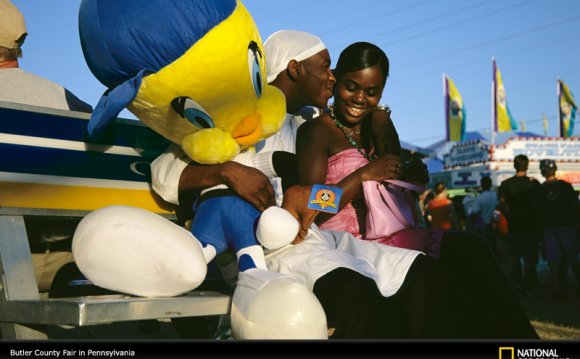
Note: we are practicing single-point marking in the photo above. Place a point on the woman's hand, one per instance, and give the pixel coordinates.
(296, 202)
(383, 168)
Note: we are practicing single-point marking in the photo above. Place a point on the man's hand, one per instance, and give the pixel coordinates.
(250, 184)
(296, 202)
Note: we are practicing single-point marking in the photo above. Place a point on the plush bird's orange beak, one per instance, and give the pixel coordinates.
(249, 130)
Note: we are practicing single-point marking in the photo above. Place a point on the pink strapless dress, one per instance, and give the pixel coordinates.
(352, 217)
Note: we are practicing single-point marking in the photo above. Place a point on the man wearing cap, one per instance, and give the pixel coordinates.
(19, 86)
(557, 209)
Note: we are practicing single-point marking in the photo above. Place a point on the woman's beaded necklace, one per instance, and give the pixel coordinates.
(348, 133)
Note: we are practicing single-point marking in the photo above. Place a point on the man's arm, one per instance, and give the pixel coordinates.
(173, 173)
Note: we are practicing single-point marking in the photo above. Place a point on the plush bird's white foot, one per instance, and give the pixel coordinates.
(276, 228)
(133, 251)
(269, 305)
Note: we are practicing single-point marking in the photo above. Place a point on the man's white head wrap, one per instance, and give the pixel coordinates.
(285, 45)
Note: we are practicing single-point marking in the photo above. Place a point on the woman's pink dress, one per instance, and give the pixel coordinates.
(352, 217)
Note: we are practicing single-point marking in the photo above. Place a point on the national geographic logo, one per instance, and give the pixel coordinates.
(513, 353)
(506, 352)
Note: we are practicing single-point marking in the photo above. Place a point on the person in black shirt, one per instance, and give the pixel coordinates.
(556, 207)
(516, 196)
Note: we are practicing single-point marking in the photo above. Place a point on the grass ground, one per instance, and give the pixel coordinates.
(553, 331)
(554, 318)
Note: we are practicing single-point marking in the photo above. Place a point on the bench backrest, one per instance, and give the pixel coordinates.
(48, 163)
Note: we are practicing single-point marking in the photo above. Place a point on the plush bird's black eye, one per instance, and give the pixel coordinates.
(192, 112)
(254, 56)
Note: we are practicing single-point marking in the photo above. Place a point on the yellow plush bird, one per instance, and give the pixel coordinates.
(193, 71)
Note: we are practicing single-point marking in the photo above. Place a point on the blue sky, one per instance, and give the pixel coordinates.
(533, 41)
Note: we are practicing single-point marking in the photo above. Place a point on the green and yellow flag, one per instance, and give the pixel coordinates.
(503, 119)
(567, 110)
(454, 111)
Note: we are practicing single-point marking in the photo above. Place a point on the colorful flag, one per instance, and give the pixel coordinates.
(567, 110)
(454, 111)
(503, 119)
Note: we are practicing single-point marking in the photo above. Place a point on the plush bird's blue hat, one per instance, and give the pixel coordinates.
(123, 40)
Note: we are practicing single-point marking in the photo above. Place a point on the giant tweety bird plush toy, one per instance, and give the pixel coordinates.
(193, 71)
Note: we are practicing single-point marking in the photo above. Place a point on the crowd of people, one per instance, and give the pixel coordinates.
(524, 221)
(389, 288)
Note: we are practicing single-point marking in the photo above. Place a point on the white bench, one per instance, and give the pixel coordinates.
(48, 171)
